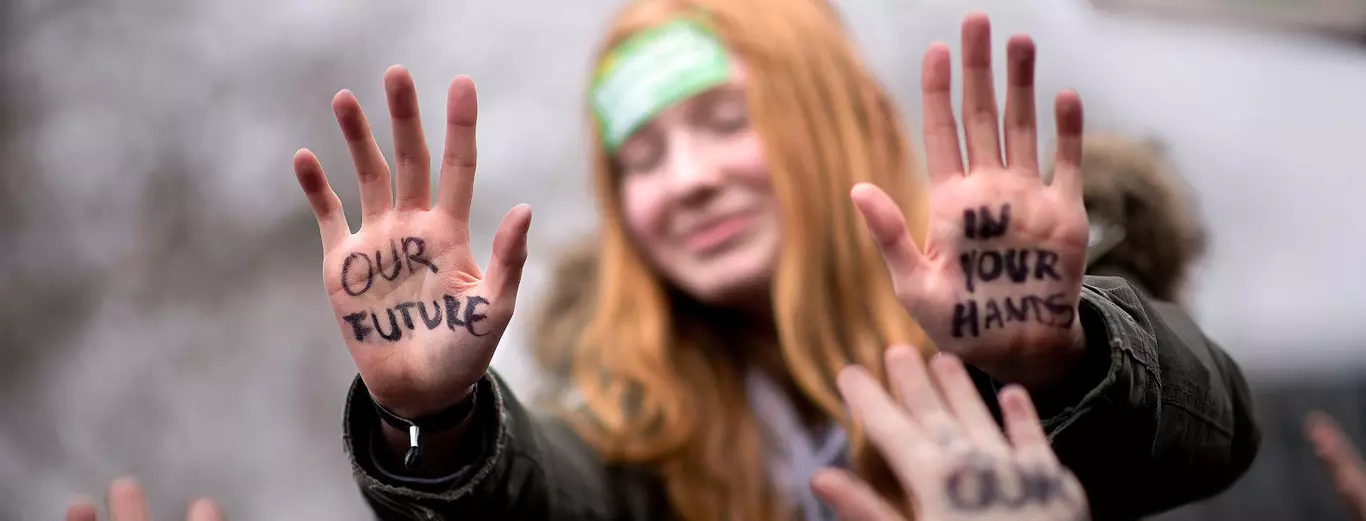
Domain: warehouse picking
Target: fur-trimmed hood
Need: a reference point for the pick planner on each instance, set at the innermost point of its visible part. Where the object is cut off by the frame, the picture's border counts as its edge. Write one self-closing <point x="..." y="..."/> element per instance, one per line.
<point x="1135" y="196"/>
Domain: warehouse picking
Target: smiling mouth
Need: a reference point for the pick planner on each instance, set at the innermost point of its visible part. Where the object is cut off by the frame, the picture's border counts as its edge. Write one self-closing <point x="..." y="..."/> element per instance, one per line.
<point x="717" y="234"/>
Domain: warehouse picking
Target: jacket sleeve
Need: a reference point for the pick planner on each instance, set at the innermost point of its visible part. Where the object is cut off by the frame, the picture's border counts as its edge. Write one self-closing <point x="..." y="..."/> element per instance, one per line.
<point x="1163" y="417"/>
<point x="517" y="466"/>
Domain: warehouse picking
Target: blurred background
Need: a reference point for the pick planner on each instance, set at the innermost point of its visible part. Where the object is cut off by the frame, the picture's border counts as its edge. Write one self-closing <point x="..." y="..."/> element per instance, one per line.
<point x="162" y="309"/>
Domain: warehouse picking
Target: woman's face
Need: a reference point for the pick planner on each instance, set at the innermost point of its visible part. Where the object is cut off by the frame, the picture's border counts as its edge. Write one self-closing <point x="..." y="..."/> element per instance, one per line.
<point x="697" y="197"/>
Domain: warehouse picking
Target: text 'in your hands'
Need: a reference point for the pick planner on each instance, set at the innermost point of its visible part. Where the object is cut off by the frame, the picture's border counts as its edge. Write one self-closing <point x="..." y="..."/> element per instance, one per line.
<point x="1010" y="266"/>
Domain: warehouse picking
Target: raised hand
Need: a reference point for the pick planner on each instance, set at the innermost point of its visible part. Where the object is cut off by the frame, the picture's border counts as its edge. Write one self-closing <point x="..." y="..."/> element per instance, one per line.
<point x="419" y="317"/>
<point x="127" y="502"/>
<point x="1339" y="457"/>
<point x="947" y="451"/>
<point x="998" y="281"/>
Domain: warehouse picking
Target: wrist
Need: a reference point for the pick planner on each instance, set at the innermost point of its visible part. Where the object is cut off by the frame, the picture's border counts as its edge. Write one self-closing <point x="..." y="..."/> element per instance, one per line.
<point x="1042" y="369"/>
<point x="431" y="404"/>
<point x="1057" y="370"/>
<point x="434" y="418"/>
<point x="1083" y="375"/>
<point x="421" y="429"/>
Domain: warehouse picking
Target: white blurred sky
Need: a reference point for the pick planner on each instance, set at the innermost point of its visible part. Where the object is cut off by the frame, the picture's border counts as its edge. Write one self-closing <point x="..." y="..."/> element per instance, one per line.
<point x="1267" y="128"/>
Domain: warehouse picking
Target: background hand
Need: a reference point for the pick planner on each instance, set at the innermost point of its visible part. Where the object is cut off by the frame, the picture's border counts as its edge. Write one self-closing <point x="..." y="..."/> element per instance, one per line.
<point x="420" y="319"/>
<point x="127" y="502"/>
<point x="948" y="452"/>
<point x="999" y="278"/>
<point x="1339" y="457"/>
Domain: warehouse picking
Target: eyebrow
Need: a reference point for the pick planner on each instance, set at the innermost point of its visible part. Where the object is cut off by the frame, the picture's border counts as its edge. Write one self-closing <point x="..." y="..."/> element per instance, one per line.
<point x="718" y="93"/>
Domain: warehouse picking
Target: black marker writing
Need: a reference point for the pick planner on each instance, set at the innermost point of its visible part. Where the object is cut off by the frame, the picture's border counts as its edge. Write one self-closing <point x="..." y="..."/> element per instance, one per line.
<point x="971" y="317"/>
<point x="471" y="316"/>
<point x="346" y="273"/>
<point x="394" y="334"/>
<point x="358" y="327"/>
<point x="356" y="283"/>
<point x="979" y="487"/>
<point x="387" y="324"/>
<point x="406" y="309"/>
<point x="379" y="262"/>
<point x="433" y="320"/>
<point x="416" y="249"/>
<point x="981" y="224"/>
<point x="1013" y="265"/>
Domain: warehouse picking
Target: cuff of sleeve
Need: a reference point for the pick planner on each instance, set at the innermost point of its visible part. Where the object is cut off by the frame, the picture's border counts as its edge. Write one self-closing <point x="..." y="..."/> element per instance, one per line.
<point x="437" y="483"/>
<point x="363" y="441"/>
<point x="1108" y="347"/>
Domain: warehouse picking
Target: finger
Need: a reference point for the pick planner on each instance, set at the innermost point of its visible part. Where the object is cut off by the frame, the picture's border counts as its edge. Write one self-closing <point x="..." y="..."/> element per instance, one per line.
<point x="412" y="188"/>
<point x="1339" y="458"/>
<point x="372" y="171"/>
<point x="965" y="402"/>
<point x="906" y="370"/>
<point x="888" y="427"/>
<point x="1067" y="158"/>
<point x="1023" y="426"/>
<point x="82" y="510"/>
<point x="1021" y="127"/>
<point x="851" y="498"/>
<point x="509" y="254"/>
<point x="127" y="502"/>
<point x="888" y="226"/>
<point x="981" y="123"/>
<point x="942" y="152"/>
<point x="327" y="207"/>
<point x="456" y="187"/>
<point x="919" y="398"/>
<point x="1329" y="442"/>
<point x="204" y="510"/>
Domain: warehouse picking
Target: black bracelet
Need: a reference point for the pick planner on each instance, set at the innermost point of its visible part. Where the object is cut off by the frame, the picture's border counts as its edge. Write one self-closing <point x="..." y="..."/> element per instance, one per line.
<point x="444" y="419"/>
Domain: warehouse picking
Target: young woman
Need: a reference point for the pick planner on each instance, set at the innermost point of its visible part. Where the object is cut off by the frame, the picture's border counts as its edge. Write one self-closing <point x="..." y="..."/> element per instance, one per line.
<point x="764" y="225"/>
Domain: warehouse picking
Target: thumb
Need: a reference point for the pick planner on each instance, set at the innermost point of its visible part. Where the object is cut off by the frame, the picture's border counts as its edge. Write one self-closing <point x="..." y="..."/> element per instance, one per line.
<point x="887" y="225"/>
<point x="851" y="497"/>
<point x="504" y="274"/>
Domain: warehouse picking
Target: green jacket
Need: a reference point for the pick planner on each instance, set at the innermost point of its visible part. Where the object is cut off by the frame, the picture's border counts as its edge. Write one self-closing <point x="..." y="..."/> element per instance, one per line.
<point x="1158" y="417"/>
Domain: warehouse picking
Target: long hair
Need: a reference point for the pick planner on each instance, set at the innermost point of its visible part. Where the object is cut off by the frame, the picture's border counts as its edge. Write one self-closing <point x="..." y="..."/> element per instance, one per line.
<point x="655" y="389"/>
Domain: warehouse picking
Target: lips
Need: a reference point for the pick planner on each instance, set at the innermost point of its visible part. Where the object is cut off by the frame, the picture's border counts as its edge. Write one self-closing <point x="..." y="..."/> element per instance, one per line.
<point x="717" y="233"/>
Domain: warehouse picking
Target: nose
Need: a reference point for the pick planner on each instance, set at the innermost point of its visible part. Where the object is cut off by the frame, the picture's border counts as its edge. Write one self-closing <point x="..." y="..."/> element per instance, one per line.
<point x="691" y="172"/>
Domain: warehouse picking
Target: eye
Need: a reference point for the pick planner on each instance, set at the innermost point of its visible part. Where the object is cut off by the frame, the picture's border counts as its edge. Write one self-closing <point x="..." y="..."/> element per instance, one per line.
<point x="724" y="112"/>
<point x="641" y="152"/>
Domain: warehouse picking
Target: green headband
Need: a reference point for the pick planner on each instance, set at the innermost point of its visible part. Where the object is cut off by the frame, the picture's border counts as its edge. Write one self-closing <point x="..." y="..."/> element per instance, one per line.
<point x="653" y="70"/>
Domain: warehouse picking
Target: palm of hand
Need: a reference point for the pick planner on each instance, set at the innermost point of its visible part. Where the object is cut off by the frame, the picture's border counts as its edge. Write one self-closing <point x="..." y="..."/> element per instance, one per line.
<point x="977" y="486"/>
<point x="406" y="294"/>
<point x="998" y="281"/>
<point x="1001" y="262"/>
<point x="948" y="452"/>
<point x="420" y="319"/>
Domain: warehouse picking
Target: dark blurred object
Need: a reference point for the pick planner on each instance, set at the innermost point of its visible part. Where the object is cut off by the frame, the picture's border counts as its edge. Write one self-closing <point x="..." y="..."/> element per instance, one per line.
<point x="1286" y="481"/>
<point x="1338" y="18"/>
<point x="1144" y="225"/>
